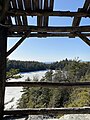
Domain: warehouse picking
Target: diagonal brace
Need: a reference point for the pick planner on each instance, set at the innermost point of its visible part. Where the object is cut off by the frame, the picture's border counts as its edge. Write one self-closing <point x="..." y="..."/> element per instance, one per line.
<point x="83" y="37"/>
<point x="18" y="43"/>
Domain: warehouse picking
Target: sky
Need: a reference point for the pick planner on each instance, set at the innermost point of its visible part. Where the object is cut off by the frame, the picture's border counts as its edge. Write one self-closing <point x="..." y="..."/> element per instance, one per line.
<point x="53" y="49"/>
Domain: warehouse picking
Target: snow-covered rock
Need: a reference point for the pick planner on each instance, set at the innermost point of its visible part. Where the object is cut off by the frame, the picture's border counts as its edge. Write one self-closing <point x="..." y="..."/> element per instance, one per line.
<point x="76" y="117"/>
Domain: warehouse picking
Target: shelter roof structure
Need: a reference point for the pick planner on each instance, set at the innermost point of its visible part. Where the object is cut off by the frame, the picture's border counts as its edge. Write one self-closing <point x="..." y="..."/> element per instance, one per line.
<point x="17" y="13"/>
<point x="15" y="22"/>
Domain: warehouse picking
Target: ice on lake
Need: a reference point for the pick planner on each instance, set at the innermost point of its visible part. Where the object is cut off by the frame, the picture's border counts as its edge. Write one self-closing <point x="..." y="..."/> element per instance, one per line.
<point x="14" y="93"/>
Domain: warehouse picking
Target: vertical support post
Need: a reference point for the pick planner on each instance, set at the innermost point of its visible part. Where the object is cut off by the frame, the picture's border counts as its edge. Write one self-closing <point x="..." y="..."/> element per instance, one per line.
<point x="3" y="49"/>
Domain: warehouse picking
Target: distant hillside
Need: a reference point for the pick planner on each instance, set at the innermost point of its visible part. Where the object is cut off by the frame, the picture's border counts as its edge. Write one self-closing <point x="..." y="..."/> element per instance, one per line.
<point x="27" y="66"/>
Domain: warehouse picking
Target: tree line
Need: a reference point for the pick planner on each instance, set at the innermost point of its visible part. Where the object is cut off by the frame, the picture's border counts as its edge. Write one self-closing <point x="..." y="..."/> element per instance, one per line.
<point x="28" y="66"/>
<point x="68" y="71"/>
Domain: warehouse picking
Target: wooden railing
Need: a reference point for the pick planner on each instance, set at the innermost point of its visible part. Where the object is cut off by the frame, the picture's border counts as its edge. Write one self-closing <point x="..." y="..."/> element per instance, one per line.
<point x="46" y="111"/>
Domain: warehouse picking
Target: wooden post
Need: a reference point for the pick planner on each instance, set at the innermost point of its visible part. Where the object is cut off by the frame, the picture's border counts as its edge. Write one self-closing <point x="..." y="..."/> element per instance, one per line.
<point x="3" y="48"/>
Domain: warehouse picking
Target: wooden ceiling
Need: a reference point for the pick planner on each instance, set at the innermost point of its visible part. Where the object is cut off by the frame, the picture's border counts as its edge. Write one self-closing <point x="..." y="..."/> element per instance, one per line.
<point x="16" y="13"/>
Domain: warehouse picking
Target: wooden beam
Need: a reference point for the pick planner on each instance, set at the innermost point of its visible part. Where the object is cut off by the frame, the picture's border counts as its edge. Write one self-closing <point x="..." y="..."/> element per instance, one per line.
<point x="51" y="5"/>
<point x="15" y="28"/>
<point x="17" y="18"/>
<point x="86" y="4"/>
<point x="84" y="38"/>
<point x="18" y="43"/>
<point x="47" y="13"/>
<point x="27" y="4"/>
<point x="48" y="35"/>
<point x="5" y="7"/>
<point x="76" y="20"/>
<point x="45" y="18"/>
<point x="24" y="18"/>
<point x="48" y="111"/>
<point x="47" y="84"/>
<point x="3" y="48"/>
<point x="39" y="18"/>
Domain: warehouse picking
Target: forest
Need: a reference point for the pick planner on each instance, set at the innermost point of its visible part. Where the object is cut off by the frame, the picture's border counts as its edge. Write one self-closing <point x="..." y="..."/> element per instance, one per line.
<point x="29" y="66"/>
<point x="63" y="71"/>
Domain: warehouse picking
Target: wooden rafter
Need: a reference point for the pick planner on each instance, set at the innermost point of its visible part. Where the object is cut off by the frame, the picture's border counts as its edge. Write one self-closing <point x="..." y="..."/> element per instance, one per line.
<point x="39" y="18"/>
<point x="47" y="13"/>
<point x="20" y="9"/>
<point x="76" y="20"/>
<point x="18" y="43"/>
<point x="84" y="38"/>
<point x="23" y="28"/>
<point x="49" y="35"/>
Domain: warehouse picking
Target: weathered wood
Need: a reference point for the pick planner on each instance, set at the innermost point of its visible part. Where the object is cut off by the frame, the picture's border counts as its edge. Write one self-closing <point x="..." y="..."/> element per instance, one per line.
<point x="27" y="4"/>
<point x="51" y="5"/>
<point x="48" y="35"/>
<point x="84" y="38"/>
<point x="23" y="28"/>
<point x="24" y="18"/>
<point x="14" y="7"/>
<point x="5" y="6"/>
<point x="18" y="43"/>
<point x="45" y="18"/>
<point x="3" y="47"/>
<point x="86" y="4"/>
<point x="39" y="18"/>
<point x="48" y="111"/>
<point x="76" y="20"/>
<point x="17" y="18"/>
<point x="9" y="21"/>
<point x="47" y="13"/>
<point x="47" y="84"/>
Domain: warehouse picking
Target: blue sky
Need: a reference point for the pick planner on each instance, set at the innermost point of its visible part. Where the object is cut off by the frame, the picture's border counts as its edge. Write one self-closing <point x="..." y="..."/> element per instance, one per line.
<point x="53" y="49"/>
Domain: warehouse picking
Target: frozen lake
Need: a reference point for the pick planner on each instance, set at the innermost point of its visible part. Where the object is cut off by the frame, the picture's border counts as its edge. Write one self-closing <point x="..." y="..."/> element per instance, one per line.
<point x="15" y="92"/>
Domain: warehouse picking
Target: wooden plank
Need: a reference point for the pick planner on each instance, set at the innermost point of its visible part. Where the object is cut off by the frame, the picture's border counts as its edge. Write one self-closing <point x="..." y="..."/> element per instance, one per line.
<point x="84" y="38"/>
<point x="48" y="111"/>
<point x="3" y="48"/>
<point x="40" y="4"/>
<point x="35" y="4"/>
<point x="45" y="18"/>
<point x="23" y="28"/>
<point x="51" y="5"/>
<point x="47" y="84"/>
<point x="18" y="43"/>
<point x="76" y="20"/>
<point x="39" y="18"/>
<point x="14" y="7"/>
<point x="86" y="4"/>
<point x="17" y="18"/>
<point x="27" y="4"/>
<point x="9" y="21"/>
<point x="24" y="18"/>
<point x="47" y="13"/>
<point x="47" y="35"/>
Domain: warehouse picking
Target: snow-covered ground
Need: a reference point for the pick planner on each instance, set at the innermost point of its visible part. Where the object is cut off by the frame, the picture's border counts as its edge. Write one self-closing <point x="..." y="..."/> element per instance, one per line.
<point x="15" y="92"/>
<point x="76" y="117"/>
